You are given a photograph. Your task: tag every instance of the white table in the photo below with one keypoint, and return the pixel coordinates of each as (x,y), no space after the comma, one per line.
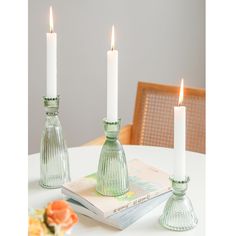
(84,160)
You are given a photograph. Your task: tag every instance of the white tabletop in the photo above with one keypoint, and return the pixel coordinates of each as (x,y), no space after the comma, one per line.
(84,160)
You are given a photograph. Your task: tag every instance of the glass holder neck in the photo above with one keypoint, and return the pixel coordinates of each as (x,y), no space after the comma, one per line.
(179,187)
(51,105)
(111,129)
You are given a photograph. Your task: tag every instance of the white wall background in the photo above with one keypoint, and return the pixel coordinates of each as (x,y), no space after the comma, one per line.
(158,41)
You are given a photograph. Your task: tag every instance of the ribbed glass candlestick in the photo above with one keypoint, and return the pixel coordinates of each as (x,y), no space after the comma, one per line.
(54,158)
(178,214)
(112,174)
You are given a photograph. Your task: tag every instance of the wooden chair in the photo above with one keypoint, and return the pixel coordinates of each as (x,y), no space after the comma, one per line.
(153,119)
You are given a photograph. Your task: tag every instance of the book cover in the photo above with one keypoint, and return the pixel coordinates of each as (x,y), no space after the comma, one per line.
(145,182)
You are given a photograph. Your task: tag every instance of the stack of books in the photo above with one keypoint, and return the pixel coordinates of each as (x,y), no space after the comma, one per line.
(148,187)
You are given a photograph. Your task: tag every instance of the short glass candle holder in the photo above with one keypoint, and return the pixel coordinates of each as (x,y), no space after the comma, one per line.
(112,174)
(178,214)
(54,158)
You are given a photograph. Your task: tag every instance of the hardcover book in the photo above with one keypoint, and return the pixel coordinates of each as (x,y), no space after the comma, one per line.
(122,219)
(145,182)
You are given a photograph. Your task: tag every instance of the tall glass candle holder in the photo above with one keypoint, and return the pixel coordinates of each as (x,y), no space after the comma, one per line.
(178,214)
(54,158)
(112,174)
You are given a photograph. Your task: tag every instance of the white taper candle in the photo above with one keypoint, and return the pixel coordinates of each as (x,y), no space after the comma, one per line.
(179,139)
(112,81)
(51,60)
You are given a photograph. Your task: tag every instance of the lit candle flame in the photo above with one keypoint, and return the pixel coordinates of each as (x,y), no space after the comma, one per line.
(181,92)
(113,38)
(51,20)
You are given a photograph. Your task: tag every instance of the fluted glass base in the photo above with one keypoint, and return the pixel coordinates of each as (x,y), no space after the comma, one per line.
(54,158)
(112,174)
(178,214)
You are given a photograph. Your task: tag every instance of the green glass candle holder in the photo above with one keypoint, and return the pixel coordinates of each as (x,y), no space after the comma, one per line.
(54,158)
(112,174)
(178,214)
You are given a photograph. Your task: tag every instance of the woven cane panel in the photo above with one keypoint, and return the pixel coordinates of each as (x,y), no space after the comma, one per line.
(155,125)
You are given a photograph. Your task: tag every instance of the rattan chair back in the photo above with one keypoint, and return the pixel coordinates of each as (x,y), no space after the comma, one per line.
(154,116)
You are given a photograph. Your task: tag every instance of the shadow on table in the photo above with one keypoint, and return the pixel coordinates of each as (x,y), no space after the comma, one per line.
(34,185)
(157,227)
(152,226)
(146,224)
(91,223)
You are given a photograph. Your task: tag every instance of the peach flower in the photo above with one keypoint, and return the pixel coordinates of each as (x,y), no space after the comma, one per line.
(59,213)
(35,227)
